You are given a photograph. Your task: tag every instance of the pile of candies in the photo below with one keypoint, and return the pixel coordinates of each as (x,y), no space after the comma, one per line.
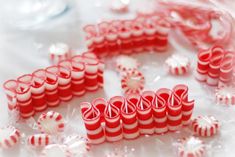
(128,117)
(137,113)
(47,87)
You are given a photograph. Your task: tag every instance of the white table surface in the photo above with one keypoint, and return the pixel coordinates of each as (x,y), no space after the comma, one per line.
(23,51)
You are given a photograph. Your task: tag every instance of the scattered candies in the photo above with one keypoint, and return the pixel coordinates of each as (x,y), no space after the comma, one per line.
(126,63)
(9,136)
(51,122)
(59,52)
(39,140)
(205,126)
(191,147)
(132,82)
(56,150)
(225,95)
(178,64)
(128,117)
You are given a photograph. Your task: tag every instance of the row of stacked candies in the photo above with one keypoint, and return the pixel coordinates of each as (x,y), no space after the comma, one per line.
(127,36)
(128,117)
(47,87)
(215,66)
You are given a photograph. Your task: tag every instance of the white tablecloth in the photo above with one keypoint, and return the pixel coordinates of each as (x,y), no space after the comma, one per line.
(23,51)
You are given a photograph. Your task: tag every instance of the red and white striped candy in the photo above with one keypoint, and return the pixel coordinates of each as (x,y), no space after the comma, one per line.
(92,120)
(59,52)
(37,88)
(145,113)
(9,89)
(178,64)
(126,63)
(190,147)
(56,150)
(119,6)
(187,106)
(129,120)
(113,128)
(160,110)
(205,126)
(225,95)
(77,76)
(9,136)
(226,68)
(204,57)
(24,100)
(64,81)
(214,66)
(51,122)
(51,86)
(39,140)
(132,82)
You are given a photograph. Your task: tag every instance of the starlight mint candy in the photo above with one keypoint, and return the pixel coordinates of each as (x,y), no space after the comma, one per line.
(39,140)
(9,136)
(126,63)
(205,126)
(132,82)
(59,52)
(190,147)
(225,95)
(56,150)
(178,64)
(51,122)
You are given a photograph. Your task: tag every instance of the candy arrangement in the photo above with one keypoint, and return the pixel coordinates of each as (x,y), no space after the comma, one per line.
(128,36)
(215,66)
(47,87)
(128,117)
(137,111)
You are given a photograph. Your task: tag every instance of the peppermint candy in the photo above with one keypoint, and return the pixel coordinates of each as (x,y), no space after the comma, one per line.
(77,145)
(51,122)
(133,82)
(59,52)
(119,6)
(178,64)
(9,136)
(225,95)
(126,63)
(39,140)
(205,126)
(56,150)
(191,146)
